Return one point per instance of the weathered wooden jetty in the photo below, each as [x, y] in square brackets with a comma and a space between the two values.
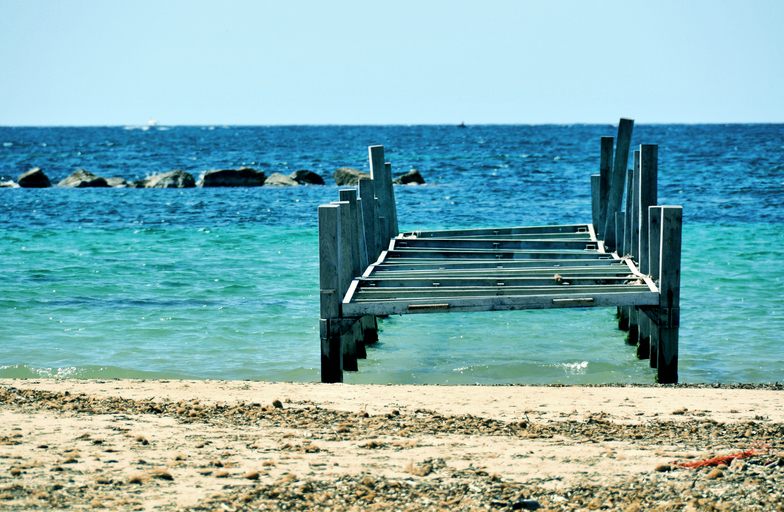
[627, 257]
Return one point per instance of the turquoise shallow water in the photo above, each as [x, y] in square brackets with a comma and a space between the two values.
[222, 283]
[241, 303]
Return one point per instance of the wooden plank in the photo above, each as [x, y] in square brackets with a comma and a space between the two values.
[654, 236]
[379, 294]
[605, 174]
[670, 286]
[628, 231]
[515, 230]
[490, 254]
[511, 303]
[620, 223]
[435, 264]
[595, 200]
[470, 281]
[615, 195]
[586, 236]
[611, 271]
[493, 244]
[329, 293]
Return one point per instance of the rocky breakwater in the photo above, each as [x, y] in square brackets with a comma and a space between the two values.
[34, 178]
[83, 179]
[348, 176]
[242, 177]
[171, 179]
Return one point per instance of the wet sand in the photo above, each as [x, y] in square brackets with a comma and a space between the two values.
[236, 445]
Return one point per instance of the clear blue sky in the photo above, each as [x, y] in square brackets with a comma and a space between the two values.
[106, 62]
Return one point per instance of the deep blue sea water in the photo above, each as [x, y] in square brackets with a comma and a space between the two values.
[222, 283]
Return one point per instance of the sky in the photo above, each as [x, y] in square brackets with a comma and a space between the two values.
[257, 62]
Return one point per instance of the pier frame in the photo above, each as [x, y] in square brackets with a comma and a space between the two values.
[368, 269]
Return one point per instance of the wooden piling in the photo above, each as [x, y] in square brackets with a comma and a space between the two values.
[393, 226]
[654, 237]
[605, 174]
[648, 196]
[329, 293]
[595, 201]
[669, 293]
[382, 184]
[370, 219]
[347, 271]
[634, 321]
[615, 194]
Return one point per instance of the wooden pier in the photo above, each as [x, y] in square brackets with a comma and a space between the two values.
[628, 257]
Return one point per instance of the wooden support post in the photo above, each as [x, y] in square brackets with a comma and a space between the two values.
[393, 226]
[654, 235]
[359, 264]
[624, 244]
[670, 291]
[595, 200]
[346, 248]
[623, 318]
[615, 194]
[648, 197]
[634, 321]
[605, 174]
[382, 184]
[370, 219]
[329, 293]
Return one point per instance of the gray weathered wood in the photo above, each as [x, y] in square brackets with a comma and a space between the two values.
[329, 293]
[648, 196]
[382, 185]
[605, 175]
[508, 303]
[393, 226]
[595, 200]
[634, 321]
[347, 271]
[654, 236]
[370, 218]
[670, 291]
[615, 195]
[628, 231]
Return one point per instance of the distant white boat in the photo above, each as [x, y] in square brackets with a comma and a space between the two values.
[152, 122]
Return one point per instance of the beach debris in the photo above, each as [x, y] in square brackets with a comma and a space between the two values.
[662, 468]
[418, 469]
[141, 439]
[221, 474]
[680, 412]
[251, 475]
[276, 404]
[758, 449]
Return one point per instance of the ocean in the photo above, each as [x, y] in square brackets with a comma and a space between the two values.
[223, 283]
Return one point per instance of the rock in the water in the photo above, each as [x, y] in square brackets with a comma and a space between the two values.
[412, 177]
[83, 179]
[242, 177]
[279, 180]
[172, 179]
[348, 176]
[34, 178]
[8, 184]
[304, 177]
[116, 182]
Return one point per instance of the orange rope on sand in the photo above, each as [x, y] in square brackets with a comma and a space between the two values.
[758, 449]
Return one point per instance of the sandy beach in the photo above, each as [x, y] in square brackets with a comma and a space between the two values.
[240, 445]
